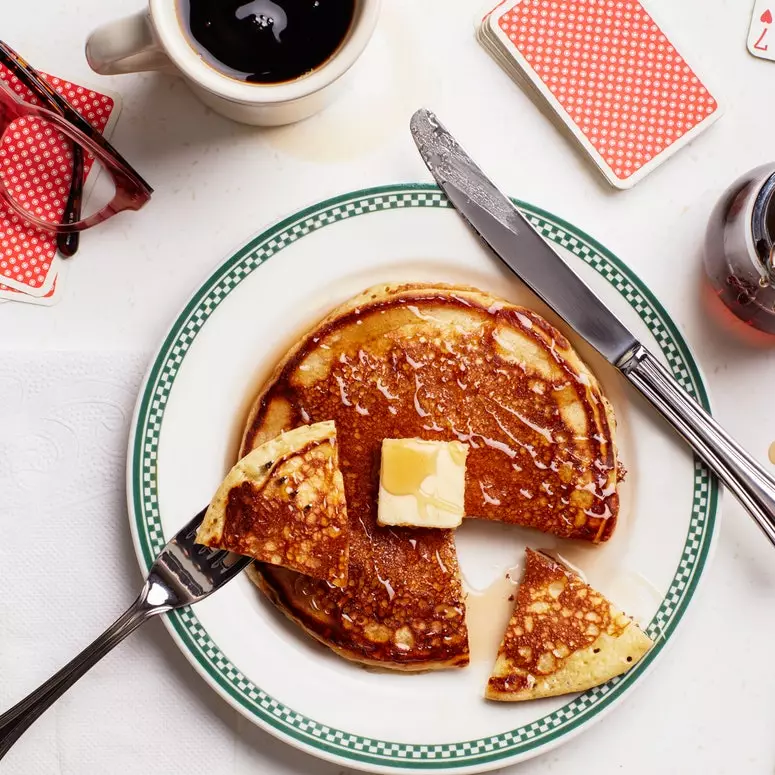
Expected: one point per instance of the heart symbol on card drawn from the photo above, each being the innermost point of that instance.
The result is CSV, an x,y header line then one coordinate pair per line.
x,y
767,17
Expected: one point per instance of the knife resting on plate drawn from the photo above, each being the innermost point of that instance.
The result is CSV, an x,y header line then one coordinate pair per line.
x,y
493,216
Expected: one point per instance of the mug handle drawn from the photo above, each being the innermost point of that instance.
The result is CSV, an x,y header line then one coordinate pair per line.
x,y
125,45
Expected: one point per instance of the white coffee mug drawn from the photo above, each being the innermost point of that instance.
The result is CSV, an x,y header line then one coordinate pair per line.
x,y
154,39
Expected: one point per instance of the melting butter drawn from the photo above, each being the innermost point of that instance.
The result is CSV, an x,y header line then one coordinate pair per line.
x,y
422,483
405,466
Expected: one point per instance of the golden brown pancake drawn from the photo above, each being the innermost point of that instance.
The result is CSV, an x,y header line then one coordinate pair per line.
x,y
444,363
284,504
563,637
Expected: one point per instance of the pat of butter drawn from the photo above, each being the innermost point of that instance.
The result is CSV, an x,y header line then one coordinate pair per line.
x,y
422,483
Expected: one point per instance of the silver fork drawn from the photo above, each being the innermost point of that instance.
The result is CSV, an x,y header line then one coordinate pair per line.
x,y
184,573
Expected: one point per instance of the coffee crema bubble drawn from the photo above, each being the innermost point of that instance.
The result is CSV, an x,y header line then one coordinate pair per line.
x,y
266,41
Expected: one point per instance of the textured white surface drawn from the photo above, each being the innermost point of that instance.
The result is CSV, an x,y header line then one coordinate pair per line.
x,y
68,566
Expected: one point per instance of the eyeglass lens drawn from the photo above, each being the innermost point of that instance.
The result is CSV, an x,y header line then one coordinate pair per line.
x,y
36,167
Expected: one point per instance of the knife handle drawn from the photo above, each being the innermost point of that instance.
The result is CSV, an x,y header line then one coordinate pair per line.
x,y
739,472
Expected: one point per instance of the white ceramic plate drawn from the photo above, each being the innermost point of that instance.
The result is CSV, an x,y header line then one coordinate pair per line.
x,y
187,425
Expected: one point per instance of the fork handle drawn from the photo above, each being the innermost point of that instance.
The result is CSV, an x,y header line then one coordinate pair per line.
x,y
15,721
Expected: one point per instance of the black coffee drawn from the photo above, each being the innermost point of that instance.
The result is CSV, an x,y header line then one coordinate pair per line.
x,y
266,41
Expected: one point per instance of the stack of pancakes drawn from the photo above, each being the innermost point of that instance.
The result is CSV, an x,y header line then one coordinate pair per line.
x,y
438,363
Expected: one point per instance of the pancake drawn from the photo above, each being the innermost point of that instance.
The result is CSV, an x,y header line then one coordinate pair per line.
x,y
284,504
437,363
563,637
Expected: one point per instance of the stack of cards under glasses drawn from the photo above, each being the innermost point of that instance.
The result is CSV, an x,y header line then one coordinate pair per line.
x,y
31,270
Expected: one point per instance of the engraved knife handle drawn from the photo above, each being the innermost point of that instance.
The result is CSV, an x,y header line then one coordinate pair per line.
x,y
738,470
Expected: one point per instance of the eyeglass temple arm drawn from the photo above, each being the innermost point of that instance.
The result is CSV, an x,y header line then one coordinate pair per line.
x,y
68,242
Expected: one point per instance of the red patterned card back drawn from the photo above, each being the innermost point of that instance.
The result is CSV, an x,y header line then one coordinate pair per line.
x,y
621,83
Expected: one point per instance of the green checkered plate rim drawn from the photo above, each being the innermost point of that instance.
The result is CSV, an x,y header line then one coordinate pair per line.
x,y
270,712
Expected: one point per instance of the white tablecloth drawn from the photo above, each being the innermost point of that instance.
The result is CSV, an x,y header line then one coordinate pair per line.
x,y
69,376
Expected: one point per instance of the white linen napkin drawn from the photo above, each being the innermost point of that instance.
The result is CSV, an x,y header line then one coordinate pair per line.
x,y
69,569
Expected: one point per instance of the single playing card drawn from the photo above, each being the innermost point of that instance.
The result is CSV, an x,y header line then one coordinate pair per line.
x,y
607,72
37,159
761,35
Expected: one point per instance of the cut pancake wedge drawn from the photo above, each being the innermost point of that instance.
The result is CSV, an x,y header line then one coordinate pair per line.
x,y
563,637
284,504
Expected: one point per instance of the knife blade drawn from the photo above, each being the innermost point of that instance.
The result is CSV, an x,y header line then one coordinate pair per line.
x,y
512,238
498,222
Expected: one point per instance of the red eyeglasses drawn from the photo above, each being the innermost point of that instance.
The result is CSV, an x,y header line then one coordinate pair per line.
x,y
61,139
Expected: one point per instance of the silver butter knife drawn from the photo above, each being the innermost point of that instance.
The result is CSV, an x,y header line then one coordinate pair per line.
x,y
497,221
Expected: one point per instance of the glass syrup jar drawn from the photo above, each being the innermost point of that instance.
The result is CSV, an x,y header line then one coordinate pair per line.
x,y
740,249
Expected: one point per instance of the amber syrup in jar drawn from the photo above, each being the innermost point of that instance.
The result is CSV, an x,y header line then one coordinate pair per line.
x,y
739,251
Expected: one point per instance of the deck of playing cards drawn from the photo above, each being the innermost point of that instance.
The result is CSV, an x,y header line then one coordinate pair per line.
x,y
606,71
30,269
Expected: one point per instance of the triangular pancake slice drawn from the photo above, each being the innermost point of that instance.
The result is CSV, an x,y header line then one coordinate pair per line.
x,y
563,637
284,504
